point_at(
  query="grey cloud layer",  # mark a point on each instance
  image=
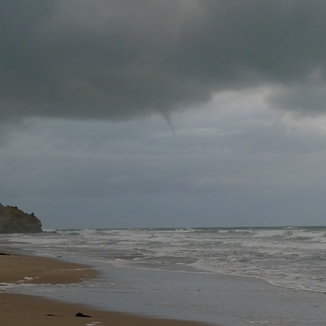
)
(127, 58)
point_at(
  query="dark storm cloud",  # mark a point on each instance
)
(127, 58)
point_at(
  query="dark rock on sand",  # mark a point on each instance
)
(80, 314)
(14, 220)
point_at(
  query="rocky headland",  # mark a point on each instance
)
(14, 220)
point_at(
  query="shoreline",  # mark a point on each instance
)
(19, 309)
(122, 295)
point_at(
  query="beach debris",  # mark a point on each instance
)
(53, 315)
(80, 314)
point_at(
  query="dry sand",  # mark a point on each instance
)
(22, 310)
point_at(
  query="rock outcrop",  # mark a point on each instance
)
(14, 220)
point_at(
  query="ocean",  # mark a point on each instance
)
(149, 265)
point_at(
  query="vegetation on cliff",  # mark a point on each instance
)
(14, 220)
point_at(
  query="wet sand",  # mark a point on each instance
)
(16, 309)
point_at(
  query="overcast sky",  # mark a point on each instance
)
(165, 113)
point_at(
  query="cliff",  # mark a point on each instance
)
(14, 220)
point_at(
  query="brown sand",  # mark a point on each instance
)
(37, 270)
(22, 310)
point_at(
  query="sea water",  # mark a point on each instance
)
(287, 258)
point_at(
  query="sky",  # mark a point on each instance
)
(165, 113)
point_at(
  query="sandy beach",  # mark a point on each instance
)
(16, 309)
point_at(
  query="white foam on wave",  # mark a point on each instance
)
(289, 257)
(5, 286)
